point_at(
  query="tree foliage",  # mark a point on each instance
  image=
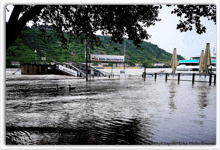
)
(190, 15)
(77, 22)
(83, 21)
(48, 45)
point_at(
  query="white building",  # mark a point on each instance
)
(158, 64)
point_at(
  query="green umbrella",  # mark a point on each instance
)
(207, 58)
(201, 60)
(174, 61)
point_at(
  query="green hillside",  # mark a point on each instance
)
(48, 45)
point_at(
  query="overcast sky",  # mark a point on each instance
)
(167, 37)
(187, 44)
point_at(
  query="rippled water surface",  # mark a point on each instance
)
(106, 111)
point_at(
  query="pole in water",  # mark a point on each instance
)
(155, 76)
(166, 77)
(193, 78)
(210, 79)
(214, 79)
(178, 78)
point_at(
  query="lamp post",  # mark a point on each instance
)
(124, 52)
(35, 52)
(86, 60)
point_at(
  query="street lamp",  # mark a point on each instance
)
(124, 53)
(35, 55)
(86, 60)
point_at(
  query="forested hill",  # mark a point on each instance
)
(47, 45)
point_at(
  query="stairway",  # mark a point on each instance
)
(68, 69)
(91, 69)
(77, 69)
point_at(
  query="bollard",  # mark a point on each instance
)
(210, 79)
(193, 78)
(155, 76)
(178, 78)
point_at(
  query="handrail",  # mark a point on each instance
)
(76, 68)
(73, 65)
(91, 67)
(56, 62)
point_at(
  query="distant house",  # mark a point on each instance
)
(138, 64)
(158, 64)
(122, 65)
(104, 64)
(15, 63)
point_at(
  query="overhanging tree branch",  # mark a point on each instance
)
(16, 24)
(115, 20)
(191, 15)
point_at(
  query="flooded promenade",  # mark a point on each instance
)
(124, 111)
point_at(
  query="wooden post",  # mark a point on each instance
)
(210, 79)
(155, 76)
(214, 79)
(178, 78)
(193, 78)
(166, 77)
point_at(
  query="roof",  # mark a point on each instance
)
(188, 61)
(193, 61)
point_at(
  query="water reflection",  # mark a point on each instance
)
(172, 95)
(202, 97)
(15, 91)
(91, 132)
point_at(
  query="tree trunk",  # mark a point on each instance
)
(16, 24)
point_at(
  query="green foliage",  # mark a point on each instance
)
(83, 21)
(23, 53)
(146, 64)
(49, 46)
(116, 20)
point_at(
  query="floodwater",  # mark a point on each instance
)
(124, 111)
